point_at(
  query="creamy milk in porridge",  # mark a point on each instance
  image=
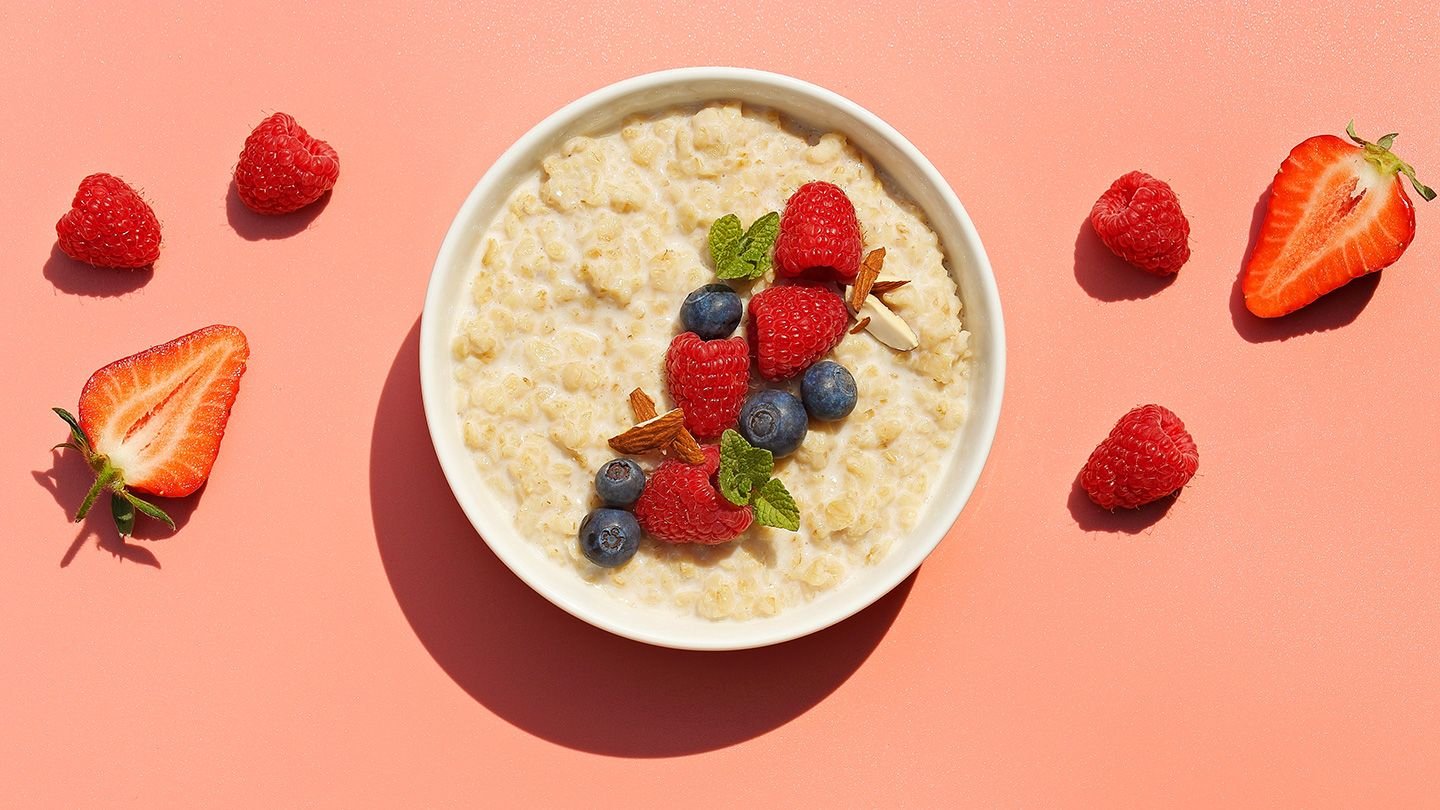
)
(575, 297)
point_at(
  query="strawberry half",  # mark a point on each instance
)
(152, 422)
(1337, 211)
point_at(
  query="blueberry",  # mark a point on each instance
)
(618, 483)
(774, 420)
(712, 312)
(828, 390)
(609, 537)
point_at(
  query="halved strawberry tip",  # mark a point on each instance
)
(123, 503)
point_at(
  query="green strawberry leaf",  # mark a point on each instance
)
(148, 509)
(774, 506)
(123, 512)
(75, 431)
(724, 235)
(742, 468)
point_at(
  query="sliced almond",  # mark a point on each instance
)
(683, 444)
(642, 405)
(651, 434)
(860, 326)
(869, 271)
(886, 326)
(687, 448)
(889, 285)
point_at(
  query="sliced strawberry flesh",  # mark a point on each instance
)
(1333, 216)
(158, 416)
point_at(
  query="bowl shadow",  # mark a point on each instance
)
(549, 673)
(1090, 517)
(1331, 311)
(1107, 277)
(255, 227)
(79, 278)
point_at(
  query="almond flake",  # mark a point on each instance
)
(860, 326)
(642, 405)
(887, 327)
(687, 448)
(889, 285)
(651, 434)
(683, 444)
(865, 278)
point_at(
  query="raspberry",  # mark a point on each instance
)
(109, 225)
(1147, 456)
(1139, 219)
(819, 235)
(707, 379)
(794, 325)
(681, 505)
(282, 168)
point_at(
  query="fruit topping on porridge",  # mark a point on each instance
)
(714, 495)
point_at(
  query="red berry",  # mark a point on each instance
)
(794, 325)
(282, 168)
(819, 235)
(109, 225)
(1139, 219)
(708, 379)
(680, 504)
(1147, 456)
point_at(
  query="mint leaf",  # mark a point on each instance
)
(763, 232)
(757, 260)
(742, 468)
(775, 507)
(724, 236)
(124, 514)
(732, 267)
(743, 254)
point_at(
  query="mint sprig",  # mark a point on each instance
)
(743, 253)
(745, 480)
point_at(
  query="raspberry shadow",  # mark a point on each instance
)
(79, 278)
(1330, 311)
(1091, 517)
(549, 673)
(255, 227)
(1107, 277)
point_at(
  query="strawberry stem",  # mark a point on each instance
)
(1379, 155)
(107, 476)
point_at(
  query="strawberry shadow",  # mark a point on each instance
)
(551, 674)
(79, 278)
(256, 227)
(1092, 518)
(1107, 277)
(1330, 311)
(67, 481)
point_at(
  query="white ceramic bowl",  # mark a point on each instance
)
(908, 170)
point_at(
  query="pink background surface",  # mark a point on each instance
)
(326, 629)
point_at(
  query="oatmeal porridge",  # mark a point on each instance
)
(574, 299)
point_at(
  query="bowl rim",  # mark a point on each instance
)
(435, 352)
